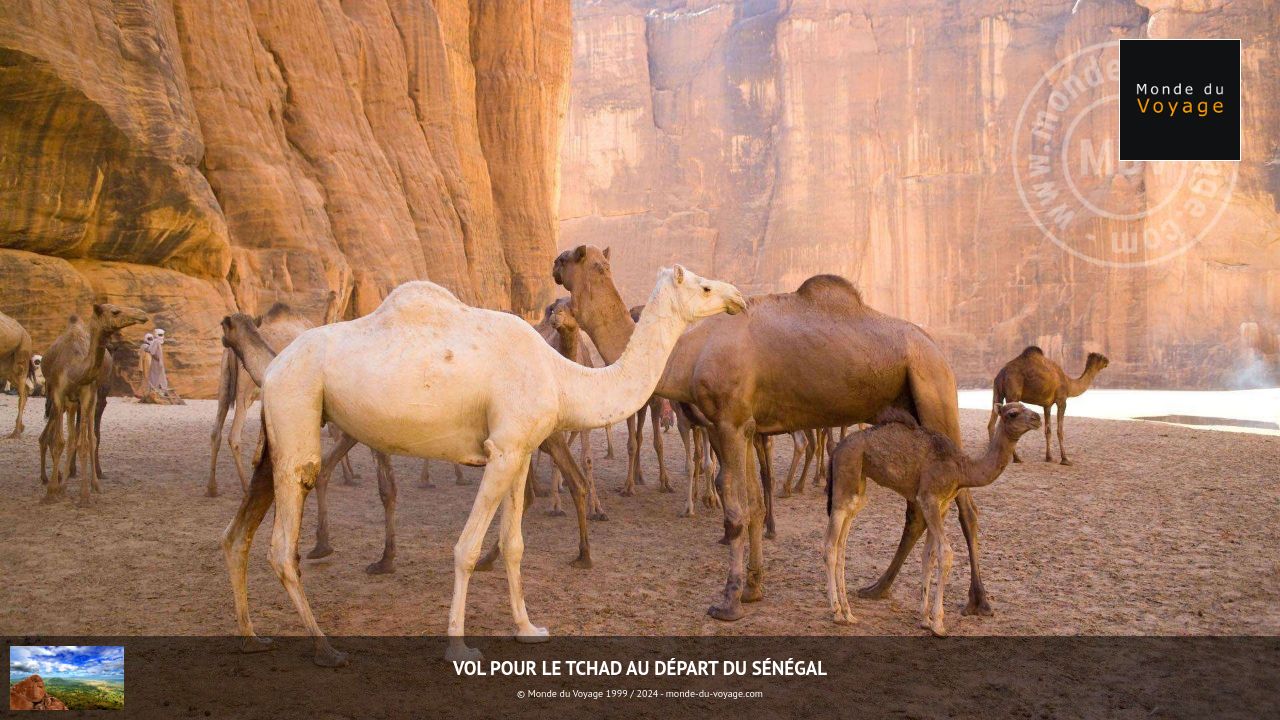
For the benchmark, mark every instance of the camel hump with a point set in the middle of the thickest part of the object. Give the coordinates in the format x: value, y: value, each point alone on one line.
x: 892, y: 415
x: 276, y: 310
x: 830, y: 287
x: 1031, y: 350
x: 418, y: 296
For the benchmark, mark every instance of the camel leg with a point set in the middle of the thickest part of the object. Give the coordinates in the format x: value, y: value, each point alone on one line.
x: 243, y: 401
x: 709, y: 466
x: 764, y: 455
x: 424, y: 479
x: 690, y: 469
x: 557, y: 447
x: 235, y: 548
x: 1062, y: 413
x: 820, y: 455
x: 46, y: 437
x: 608, y: 442
x: 1048, y: 438
x: 556, y: 510
x: 968, y: 511
x: 810, y: 449
x: 588, y: 467
x: 796, y: 444
x: 54, y: 427
x: 348, y: 473
x: 386, y: 491
x: 635, y: 432
x: 501, y: 477
x: 458, y: 478
x: 84, y: 439
x: 18, y: 377
x: 73, y: 440
x: 926, y: 581
x: 338, y: 453
x: 911, y: 529
x: 733, y: 444
x: 512, y: 540
x: 226, y: 395
x: 655, y: 422
x: 937, y: 563
x: 99, y: 409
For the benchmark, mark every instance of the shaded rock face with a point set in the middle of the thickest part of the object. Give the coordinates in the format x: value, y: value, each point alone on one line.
x: 195, y: 157
x: 29, y: 694
x: 763, y: 141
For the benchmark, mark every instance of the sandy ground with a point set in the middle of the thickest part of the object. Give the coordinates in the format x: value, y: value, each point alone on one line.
x: 1157, y: 529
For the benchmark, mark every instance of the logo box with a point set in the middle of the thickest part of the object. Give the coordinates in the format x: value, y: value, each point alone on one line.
x: 1179, y: 100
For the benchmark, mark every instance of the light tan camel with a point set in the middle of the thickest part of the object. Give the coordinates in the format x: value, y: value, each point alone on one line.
x: 73, y: 368
x: 734, y: 371
x: 240, y: 335
x: 925, y: 468
x: 15, y: 364
x: 1034, y: 379
x: 448, y: 389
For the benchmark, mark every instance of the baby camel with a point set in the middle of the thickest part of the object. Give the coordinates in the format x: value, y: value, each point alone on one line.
x: 927, y: 469
x: 448, y: 389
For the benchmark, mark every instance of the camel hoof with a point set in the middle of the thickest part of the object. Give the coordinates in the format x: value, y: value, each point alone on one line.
x: 50, y: 499
x: 1067, y: 462
x: 331, y: 658
x: 211, y: 493
x: 462, y: 653
x: 463, y: 482
x: 598, y: 517
x: 428, y: 486
x: 320, y: 551
x: 752, y: 594
x: 255, y: 644
x: 582, y: 562
x: 533, y: 634
x: 728, y: 613
x: 382, y: 567
x: 626, y: 492
x: 873, y: 592
x: 724, y: 540
x: 981, y: 609
x: 938, y: 630
x: 1017, y: 459
x: 556, y: 512
x: 783, y: 495
x: 13, y: 436
x: 666, y: 489
x: 687, y: 513
x: 770, y: 534
x: 84, y: 503
x: 843, y: 617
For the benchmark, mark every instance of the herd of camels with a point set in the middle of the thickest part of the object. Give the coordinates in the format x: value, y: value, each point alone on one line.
x: 448, y: 390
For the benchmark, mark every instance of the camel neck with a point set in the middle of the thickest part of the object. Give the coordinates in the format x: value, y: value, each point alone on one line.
x: 594, y: 398
x: 568, y: 344
x: 254, y: 353
x: 97, y: 351
x: 1077, y: 385
x: 605, y: 318
x: 985, y: 469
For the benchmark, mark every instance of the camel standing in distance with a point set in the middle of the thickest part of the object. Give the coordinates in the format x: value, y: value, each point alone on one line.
x: 15, y: 364
x: 448, y: 390
x: 240, y: 335
x: 731, y: 369
x: 925, y: 468
x: 1034, y: 379
x: 72, y: 368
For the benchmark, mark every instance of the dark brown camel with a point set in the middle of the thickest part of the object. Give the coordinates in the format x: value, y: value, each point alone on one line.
x: 927, y: 470
x: 1034, y: 379
x: 755, y: 373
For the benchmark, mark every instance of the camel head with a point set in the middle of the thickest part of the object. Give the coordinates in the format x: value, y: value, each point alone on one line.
x: 1017, y: 419
x: 697, y: 297
x: 235, y: 327
x: 580, y: 267
x: 560, y: 315
x: 115, y: 317
x: 1096, y: 360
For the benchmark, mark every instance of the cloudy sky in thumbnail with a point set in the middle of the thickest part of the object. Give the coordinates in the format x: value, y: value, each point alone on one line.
x: 77, y: 661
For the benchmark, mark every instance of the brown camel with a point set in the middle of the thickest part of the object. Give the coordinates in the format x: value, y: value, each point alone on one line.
x: 106, y: 377
x: 73, y: 368
x: 424, y: 480
x: 15, y: 364
x: 1034, y: 379
x: 560, y: 328
x: 278, y: 326
x: 928, y: 470
x: 241, y: 335
x: 755, y: 373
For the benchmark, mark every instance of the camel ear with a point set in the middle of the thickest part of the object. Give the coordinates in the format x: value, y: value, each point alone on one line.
x: 98, y: 310
x: 679, y: 274
x: 579, y: 253
x: 606, y: 253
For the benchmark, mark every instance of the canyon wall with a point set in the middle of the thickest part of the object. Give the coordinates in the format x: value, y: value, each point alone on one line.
x: 195, y: 157
x: 763, y: 141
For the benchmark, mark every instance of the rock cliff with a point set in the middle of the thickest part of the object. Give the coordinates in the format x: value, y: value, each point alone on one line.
x: 29, y: 694
x: 193, y: 157
x: 764, y: 141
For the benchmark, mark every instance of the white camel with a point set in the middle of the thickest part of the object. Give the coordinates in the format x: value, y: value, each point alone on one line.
x: 455, y: 383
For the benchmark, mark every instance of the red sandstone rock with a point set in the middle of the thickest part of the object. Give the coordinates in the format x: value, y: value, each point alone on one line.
x: 29, y: 694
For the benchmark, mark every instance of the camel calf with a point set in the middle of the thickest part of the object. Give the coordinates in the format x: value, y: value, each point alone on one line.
x: 928, y: 470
